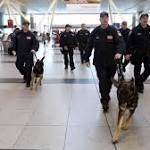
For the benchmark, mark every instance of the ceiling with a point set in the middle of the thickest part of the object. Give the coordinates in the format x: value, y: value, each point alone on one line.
x: 123, y: 6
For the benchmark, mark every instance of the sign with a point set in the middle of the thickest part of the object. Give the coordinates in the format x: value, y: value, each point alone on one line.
x: 82, y: 1
x: 10, y: 23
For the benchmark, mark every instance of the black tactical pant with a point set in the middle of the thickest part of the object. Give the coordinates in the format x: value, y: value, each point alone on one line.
x: 66, y: 59
x: 82, y: 52
x: 24, y: 64
x: 104, y: 75
x: 140, y: 78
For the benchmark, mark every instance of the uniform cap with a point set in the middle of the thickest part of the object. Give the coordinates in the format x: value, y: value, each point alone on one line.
x: 68, y: 25
x: 26, y: 22
x: 103, y: 14
x: 144, y: 15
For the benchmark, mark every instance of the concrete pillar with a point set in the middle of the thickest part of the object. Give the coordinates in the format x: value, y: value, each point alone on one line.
x: 24, y: 11
x: 133, y: 20
x: 1, y: 18
x: 32, y: 21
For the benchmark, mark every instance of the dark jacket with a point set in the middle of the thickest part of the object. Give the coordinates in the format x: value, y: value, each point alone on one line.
x: 139, y: 41
x: 125, y: 33
x: 68, y: 39
x: 82, y: 37
x: 106, y: 43
x: 24, y: 42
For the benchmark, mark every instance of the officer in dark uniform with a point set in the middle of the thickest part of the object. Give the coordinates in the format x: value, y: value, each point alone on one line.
x: 124, y: 30
x: 68, y: 42
x: 82, y: 37
x: 139, y: 48
x: 25, y: 45
x: 108, y: 46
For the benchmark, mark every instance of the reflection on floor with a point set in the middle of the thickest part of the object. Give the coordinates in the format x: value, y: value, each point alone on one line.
x: 65, y: 113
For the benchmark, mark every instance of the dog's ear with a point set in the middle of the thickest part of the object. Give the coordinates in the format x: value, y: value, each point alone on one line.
x: 115, y: 82
x: 43, y: 58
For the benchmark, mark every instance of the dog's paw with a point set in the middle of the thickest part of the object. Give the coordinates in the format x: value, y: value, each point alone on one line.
x: 125, y: 126
x: 115, y: 140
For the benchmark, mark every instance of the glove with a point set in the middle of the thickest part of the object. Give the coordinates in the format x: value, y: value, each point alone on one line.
x: 65, y: 48
x: 33, y: 51
x: 14, y: 53
x: 118, y: 56
x: 128, y: 56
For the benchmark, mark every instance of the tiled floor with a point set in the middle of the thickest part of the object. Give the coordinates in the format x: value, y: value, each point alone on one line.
x: 65, y: 113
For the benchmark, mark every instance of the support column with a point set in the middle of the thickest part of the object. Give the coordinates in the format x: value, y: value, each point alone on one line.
x: 32, y: 22
x: 24, y: 11
x: 133, y: 20
x: 1, y: 18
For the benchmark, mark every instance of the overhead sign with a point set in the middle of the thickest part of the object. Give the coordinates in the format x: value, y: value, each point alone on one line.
x: 82, y: 1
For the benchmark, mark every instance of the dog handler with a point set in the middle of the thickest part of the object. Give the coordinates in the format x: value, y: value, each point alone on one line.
x: 68, y: 42
x: 139, y: 50
x: 25, y: 45
x: 108, y: 45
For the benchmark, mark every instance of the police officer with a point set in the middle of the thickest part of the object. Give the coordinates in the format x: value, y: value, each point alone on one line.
x: 82, y: 37
x: 25, y: 44
x: 108, y: 46
x: 124, y: 30
x: 139, y: 48
x: 68, y: 42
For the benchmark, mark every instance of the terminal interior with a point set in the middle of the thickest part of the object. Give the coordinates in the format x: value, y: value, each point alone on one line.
x: 65, y: 112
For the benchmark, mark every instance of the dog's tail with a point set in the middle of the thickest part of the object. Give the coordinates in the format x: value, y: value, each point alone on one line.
x: 115, y: 82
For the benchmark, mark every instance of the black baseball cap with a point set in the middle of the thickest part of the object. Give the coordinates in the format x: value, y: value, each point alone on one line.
x: 144, y: 15
x: 124, y: 22
x: 26, y: 22
x: 68, y: 25
x: 103, y: 14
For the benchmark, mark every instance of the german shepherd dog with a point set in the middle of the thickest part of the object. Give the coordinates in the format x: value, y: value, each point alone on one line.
x: 128, y: 100
x: 37, y: 74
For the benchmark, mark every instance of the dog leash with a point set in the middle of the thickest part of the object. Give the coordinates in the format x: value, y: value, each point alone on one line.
x: 120, y: 69
x: 35, y: 56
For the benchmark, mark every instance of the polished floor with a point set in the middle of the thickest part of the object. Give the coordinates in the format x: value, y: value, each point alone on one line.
x: 65, y: 113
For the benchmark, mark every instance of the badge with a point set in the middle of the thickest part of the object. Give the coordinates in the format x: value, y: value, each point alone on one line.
x: 97, y: 37
x: 139, y: 33
x: 109, y: 37
x: 28, y: 38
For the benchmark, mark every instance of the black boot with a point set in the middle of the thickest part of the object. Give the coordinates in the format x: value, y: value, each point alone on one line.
x: 66, y: 67
x: 72, y: 68
x: 24, y: 79
x: 105, y: 108
x: 105, y: 104
x: 140, y: 88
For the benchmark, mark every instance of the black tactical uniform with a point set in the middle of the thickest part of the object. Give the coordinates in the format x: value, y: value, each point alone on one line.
x: 68, y: 40
x: 82, y: 37
x: 106, y: 43
x: 139, y: 47
x: 23, y: 43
